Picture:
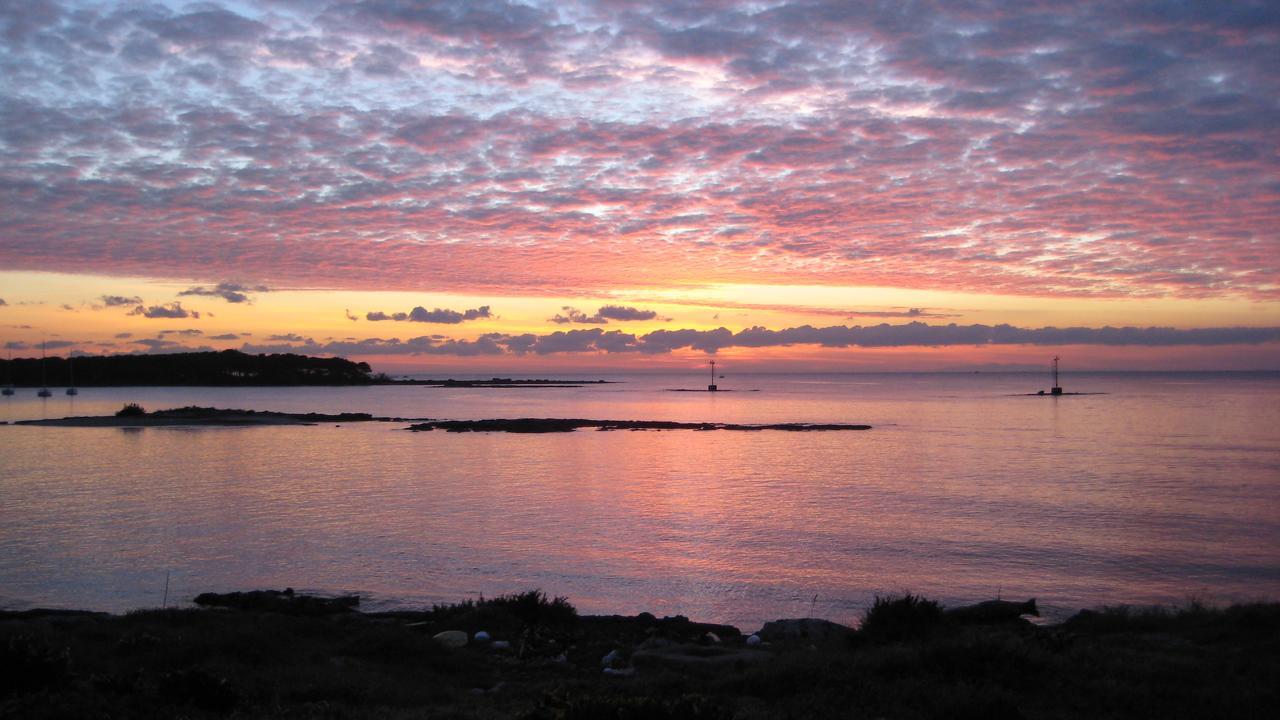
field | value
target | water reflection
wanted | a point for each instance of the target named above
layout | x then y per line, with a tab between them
961	492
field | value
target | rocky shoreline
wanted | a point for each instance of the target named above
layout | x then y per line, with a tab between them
283	654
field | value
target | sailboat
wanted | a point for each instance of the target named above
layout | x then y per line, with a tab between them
8	389
44	390
71	374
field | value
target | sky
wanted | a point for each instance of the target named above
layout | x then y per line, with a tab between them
527	186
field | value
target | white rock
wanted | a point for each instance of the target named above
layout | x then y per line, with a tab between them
481	637
612	658
620	672
451	638
753	640
501	645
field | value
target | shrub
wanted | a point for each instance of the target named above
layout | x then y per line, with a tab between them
131	410
892	619
28	664
529	609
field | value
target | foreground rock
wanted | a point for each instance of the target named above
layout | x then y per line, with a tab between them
807	631
555	425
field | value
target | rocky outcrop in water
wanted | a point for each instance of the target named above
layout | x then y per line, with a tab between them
554	425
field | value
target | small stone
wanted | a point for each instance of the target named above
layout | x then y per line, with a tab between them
712	638
612	658
481	637
753	640
500	645
451	638
620	672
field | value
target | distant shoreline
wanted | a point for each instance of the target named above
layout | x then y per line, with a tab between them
190	416
207	416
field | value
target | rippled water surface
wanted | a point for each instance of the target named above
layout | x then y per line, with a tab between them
1167	487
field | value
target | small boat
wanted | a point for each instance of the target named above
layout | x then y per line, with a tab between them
72	377
9	390
44	391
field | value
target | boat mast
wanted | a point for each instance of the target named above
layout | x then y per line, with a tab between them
1057	389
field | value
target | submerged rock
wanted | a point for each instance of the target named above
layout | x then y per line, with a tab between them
992	612
282	601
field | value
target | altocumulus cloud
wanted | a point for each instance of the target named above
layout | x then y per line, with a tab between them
438	315
119	301
599	340
1066	148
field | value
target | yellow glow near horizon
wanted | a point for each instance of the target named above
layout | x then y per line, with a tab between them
50	306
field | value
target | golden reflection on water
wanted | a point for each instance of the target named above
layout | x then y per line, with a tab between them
961	492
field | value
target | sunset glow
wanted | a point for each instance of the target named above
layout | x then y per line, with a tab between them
529	186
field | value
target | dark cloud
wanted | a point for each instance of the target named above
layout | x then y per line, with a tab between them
231	292
573	315
190	332
160	345
438	315
119	300
619	312
225	336
2	302
171	310
914	334
603	315
47	345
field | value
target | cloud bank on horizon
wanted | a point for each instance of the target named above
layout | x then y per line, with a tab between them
914	334
1111	149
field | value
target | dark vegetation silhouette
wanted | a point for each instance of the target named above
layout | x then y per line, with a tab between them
893	619
131	410
910	659
216	368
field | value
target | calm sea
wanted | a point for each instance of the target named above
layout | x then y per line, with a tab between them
1164	489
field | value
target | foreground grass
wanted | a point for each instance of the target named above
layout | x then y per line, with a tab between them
909	661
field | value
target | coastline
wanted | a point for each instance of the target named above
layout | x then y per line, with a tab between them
271	654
